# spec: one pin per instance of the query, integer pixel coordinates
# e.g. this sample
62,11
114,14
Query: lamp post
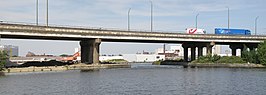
128,19
256,24
197,20
151,14
37,13
228,13
46,12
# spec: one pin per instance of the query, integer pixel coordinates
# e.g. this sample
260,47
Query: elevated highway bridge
90,39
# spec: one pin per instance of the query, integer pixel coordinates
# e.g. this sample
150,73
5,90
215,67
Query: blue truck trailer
223,31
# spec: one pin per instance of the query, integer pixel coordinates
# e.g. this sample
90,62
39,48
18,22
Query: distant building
102,57
31,54
173,53
11,50
143,57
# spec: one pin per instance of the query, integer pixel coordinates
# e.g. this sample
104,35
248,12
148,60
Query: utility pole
37,12
151,14
47,12
256,24
197,21
228,17
128,19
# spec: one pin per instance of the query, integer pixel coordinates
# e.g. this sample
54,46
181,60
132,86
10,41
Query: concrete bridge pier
209,48
234,47
200,50
193,52
252,46
185,52
90,51
192,47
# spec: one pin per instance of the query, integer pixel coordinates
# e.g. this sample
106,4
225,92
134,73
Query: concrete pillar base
90,51
200,51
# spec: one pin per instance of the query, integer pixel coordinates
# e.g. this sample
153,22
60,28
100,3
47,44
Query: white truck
195,31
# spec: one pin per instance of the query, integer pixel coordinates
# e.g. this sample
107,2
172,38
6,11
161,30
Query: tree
245,54
3,58
249,55
262,53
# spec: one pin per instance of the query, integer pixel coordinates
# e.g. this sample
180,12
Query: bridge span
90,39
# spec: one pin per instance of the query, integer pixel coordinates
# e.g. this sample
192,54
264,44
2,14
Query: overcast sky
169,16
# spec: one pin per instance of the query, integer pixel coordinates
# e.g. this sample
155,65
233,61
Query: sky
168,16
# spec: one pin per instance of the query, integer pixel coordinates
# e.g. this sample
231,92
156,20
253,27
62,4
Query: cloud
169,15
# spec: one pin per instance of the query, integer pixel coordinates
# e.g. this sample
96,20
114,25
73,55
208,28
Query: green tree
3,58
207,59
249,55
230,59
245,54
262,53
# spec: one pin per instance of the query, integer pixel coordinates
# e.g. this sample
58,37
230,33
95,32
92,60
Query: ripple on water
141,79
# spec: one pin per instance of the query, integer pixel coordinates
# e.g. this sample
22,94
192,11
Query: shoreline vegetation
255,58
250,58
115,61
214,61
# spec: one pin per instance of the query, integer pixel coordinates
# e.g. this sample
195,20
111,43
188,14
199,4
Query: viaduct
90,39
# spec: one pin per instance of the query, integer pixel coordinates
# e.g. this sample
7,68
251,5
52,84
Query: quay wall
65,68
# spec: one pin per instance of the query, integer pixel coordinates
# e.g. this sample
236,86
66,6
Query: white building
105,58
143,57
11,50
101,58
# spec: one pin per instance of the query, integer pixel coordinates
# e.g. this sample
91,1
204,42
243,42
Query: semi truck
223,31
195,31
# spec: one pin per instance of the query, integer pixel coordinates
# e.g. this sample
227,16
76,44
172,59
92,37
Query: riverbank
65,68
224,65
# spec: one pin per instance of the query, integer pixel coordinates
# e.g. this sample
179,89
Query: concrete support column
200,51
193,53
85,51
233,51
185,52
234,48
209,49
96,51
90,51
252,46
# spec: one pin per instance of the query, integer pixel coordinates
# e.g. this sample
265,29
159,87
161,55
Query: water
141,79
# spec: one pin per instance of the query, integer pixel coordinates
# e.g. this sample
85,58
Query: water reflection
141,79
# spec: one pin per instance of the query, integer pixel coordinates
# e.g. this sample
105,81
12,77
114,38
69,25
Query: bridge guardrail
102,28
87,27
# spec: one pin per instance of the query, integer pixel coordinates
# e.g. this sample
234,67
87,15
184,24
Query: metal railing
88,27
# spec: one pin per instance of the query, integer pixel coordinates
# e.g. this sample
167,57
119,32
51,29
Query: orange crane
72,58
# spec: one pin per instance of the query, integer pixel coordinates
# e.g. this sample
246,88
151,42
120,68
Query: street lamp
197,20
128,19
228,17
46,12
256,24
37,13
151,14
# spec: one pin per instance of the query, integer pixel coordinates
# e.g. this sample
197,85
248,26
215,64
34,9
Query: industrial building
11,50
